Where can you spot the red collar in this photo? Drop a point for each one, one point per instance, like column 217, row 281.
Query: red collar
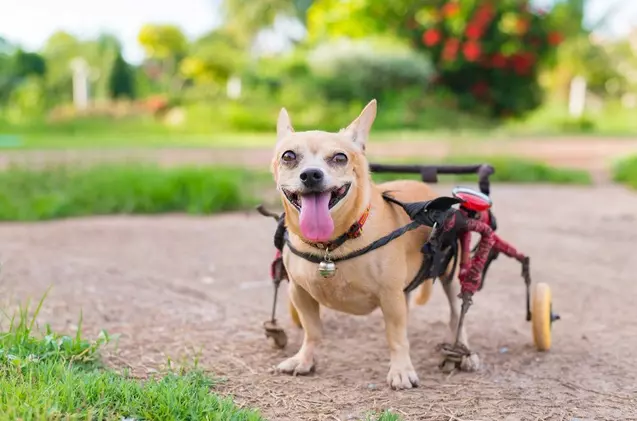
column 354, row 231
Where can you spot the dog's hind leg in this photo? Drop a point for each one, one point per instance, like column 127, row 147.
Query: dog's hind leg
column 308, row 310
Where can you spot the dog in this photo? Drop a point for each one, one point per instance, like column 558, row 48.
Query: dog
column 325, row 186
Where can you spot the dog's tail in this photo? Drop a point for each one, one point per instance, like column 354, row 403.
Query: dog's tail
column 424, row 292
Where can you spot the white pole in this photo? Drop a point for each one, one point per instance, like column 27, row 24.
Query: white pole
column 577, row 97
column 80, row 83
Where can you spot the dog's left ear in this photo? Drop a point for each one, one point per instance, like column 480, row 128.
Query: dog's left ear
column 359, row 129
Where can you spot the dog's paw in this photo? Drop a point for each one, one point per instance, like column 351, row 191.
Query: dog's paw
column 402, row 377
column 296, row 366
column 470, row 363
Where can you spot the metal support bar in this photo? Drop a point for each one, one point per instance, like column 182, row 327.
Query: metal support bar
column 429, row 173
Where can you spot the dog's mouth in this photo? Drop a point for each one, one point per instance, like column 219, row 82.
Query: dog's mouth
column 336, row 195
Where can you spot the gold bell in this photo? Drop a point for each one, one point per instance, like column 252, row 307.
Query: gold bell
column 327, row 268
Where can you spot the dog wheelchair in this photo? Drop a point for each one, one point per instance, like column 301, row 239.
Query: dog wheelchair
column 450, row 240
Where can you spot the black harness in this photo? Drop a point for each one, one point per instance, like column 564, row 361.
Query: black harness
column 437, row 251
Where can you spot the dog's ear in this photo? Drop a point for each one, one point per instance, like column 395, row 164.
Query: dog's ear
column 359, row 129
column 283, row 125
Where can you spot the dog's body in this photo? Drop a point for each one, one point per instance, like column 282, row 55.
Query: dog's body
column 326, row 186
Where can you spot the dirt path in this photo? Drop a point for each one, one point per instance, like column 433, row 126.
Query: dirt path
column 177, row 286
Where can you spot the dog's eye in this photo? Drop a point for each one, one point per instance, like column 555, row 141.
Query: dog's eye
column 288, row 156
column 339, row 158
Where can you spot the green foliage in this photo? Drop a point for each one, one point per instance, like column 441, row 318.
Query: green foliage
column 625, row 172
column 46, row 376
column 162, row 41
column 27, row 100
column 244, row 19
column 386, row 416
column 65, row 191
column 62, row 48
column 488, row 53
column 28, row 64
column 121, row 82
column 361, row 70
column 508, row 170
column 213, row 58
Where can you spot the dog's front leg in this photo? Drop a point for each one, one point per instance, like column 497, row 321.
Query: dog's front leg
column 401, row 372
column 308, row 310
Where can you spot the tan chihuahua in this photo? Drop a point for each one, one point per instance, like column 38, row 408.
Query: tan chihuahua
column 326, row 188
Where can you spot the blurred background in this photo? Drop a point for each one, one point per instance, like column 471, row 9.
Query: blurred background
column 550, row 80
column 206, row 66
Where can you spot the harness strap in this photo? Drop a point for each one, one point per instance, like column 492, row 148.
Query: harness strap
column 372, row 246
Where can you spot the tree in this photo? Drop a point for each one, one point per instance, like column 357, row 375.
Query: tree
column 245, row 19
column 165, row 47
column 162, row 42
column 121, row 81
column 28, row 64
column 60, row 48
column 579, row 54
column 5, row 70
column 213, row 59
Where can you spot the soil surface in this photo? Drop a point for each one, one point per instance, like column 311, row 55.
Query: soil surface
column 182, row 287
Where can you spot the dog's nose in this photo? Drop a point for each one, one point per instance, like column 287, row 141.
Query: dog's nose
column 312, row 177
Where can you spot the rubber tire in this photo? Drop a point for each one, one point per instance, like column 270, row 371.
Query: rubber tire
column 294, row 314
column 541, row 316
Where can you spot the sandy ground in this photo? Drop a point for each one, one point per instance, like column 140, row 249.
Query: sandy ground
column 179, row 287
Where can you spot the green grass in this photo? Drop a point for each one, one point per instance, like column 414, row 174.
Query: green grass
column 48, row 376
column 507, row 170
column 625, row 172
column 549, row 122
column 129, row 188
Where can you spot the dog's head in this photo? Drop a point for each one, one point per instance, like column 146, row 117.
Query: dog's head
column 323, row 177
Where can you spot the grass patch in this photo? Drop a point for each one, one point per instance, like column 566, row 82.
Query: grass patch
column 507, row 170
column 625, row 172
column 66, row 191
column 70, row 191
column 48, row 376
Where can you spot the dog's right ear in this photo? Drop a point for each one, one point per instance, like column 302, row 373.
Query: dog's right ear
column 283, row 125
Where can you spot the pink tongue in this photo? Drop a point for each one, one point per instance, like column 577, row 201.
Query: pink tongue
column 316, row 221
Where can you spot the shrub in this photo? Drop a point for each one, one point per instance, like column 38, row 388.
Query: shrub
column 625, row 172
column 488, row 52
column 360, row 70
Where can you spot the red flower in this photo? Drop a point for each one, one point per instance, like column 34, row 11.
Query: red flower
column 450, row 49
column 498, row 61
column 484, row 14
column 480, row 89
column 473, row 31
column 450, row 9
column 522, row 63
column 471, row 50
column 555, row 38
column 431, row 37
